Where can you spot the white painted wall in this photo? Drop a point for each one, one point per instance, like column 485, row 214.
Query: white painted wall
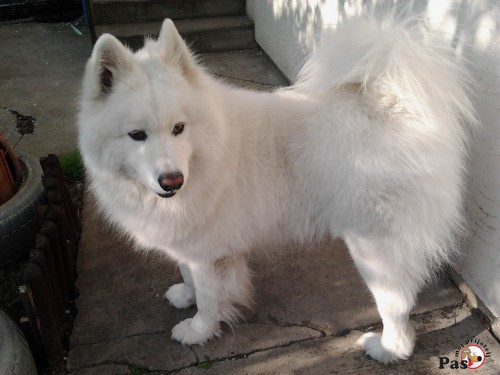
column 286, row 30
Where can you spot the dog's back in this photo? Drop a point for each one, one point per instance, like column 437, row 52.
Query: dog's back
column 399, row 122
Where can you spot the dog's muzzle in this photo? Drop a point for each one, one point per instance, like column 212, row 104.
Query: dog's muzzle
column 171, row 183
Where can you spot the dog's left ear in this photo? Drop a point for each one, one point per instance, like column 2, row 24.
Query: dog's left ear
column 175, row 51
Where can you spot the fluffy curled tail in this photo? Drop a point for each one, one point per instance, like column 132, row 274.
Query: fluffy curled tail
column 398, row 65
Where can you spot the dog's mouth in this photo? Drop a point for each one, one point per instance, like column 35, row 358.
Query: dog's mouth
column 167, row 194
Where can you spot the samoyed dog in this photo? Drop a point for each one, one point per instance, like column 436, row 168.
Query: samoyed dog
column 368, row 145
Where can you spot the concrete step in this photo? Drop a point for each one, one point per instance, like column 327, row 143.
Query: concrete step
column 212, row 34
column 107, row 12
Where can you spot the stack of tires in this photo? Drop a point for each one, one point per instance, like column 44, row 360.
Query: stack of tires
column 18, row 229
column 15, row 355
column 18, row 219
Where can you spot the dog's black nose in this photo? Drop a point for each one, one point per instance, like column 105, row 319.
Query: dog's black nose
column 171, row 181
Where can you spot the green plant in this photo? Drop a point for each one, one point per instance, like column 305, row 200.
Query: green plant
column 205, row 364
column 137, row 370
column 72, row 166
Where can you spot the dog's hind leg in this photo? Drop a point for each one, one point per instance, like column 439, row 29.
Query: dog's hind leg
column 220, row 287
column 182, row 295
column 394, row 281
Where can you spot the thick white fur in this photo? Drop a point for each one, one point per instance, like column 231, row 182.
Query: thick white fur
column 369, row 146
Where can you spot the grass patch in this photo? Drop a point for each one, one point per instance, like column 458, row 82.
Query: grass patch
column 206, row 364
column 137, row 370
column 72, row 166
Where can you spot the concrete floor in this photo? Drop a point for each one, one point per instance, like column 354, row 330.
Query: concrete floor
column 311, row 305
column 40, row 72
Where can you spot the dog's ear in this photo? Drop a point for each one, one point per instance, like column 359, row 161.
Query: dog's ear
column 111, row 60
column 174, row 50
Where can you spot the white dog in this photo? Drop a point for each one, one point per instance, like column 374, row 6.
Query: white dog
column 368, row 146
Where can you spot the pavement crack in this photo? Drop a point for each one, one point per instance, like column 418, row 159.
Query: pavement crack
column 25, row 124
column 306, row 324
column 243, row 79
column 208, row 362
column 118, row 338
column 445, row 312
column 133, row 368
column 195, row 354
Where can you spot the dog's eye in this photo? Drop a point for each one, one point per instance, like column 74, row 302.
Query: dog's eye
column 138, row 135
column 178, row 128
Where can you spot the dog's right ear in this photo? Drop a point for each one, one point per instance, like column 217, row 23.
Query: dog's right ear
column 110, row 61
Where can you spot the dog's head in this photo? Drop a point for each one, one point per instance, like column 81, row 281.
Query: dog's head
column 139, row 111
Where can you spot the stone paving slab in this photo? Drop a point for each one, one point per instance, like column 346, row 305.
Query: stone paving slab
column 249, row 68
column 340, row 355
column 148, row 351
column 321, row 277
column 113, row 369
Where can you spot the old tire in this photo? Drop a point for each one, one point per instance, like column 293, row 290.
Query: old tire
column 15, row 355
column 18, row 219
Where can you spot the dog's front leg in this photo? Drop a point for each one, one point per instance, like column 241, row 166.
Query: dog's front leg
column 182, row 295
column 219, row 287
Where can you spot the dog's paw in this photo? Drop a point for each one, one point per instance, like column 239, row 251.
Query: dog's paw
column 374, row 347
column 181, row 296
column 188, row 332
